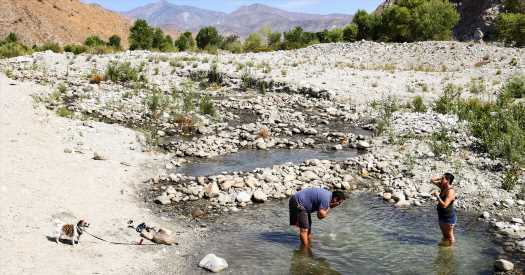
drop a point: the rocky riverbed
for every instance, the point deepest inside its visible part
(325, 97)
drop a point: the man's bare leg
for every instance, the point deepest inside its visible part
(304, 236)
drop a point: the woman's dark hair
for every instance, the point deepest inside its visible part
(449, 177)
(339, 195)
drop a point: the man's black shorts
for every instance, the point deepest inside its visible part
(298, 215)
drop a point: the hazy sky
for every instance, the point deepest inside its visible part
(310, 6)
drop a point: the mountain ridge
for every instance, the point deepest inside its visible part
(243, 21)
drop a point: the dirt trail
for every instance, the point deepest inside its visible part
(39, 181)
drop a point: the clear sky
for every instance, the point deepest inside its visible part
(309, 6)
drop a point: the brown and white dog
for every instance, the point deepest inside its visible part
(70, 231)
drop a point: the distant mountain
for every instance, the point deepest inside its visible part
(62, 21)
(243, 21)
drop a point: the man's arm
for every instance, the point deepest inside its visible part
(450, 197)
(322, 213)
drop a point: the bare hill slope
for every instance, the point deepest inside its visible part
(62, 21)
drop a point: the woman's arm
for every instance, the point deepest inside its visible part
(451, 195)
(435, 180)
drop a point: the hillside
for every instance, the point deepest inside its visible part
(62, 21)
(243, 21)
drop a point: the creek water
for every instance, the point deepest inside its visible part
(249, 160)
(362, 236)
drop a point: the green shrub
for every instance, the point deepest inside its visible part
(13, 49)
(94, 41)
(386, 108)
(515, 88)
(441, 143)
(273, 40)
(254, 43)
(297, 38)
(185, 42)
(121, 72)
(76, 49)
(444, 104)
(114, 41)
(510, 179)
(160, 42)
(208, 37)
(157, 102)
(499, 126)
(141, 36)
(366, 24)
(11, 37)
(214, 75)
(433, 20)
(408, 20)
(248, 81)
(49, 46)
(510, 28)
(64, 112)
(335, 35)
(514, 6)
(350, 33)
(206, 106)
(477, 85)
(418, 105)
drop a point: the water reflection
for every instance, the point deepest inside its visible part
(445, 262)
(303, 263)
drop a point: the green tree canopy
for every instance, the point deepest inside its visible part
(208, 37)
(141, 36)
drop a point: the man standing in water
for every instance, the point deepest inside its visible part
(445, 207)
(307, 201)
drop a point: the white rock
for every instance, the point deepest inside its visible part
(348, 178)
(503, 265)
(213, 263)
(259, 196)
(517, 220)
(398, 196)
(486, 215)
(308, 176)
(163, 199)
(212, 190)
(387, 196)
(98, 156)
(243, 197)
(363, 145)
(261, 146)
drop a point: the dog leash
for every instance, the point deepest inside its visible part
(116, 243)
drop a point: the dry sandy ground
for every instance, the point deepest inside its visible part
(39, 181)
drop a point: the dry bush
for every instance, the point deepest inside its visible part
(96, 78)
(482, 63)
(185, 123)
(344, 141)
(264, 133)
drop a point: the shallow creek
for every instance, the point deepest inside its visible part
(363, 236)
(248, 160)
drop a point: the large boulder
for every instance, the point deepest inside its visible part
(243, 197)
(503, 265)
(213, 263)
(212, 190)
(163, 199)
(259, 196)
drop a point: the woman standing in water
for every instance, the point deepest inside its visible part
(445, 207)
